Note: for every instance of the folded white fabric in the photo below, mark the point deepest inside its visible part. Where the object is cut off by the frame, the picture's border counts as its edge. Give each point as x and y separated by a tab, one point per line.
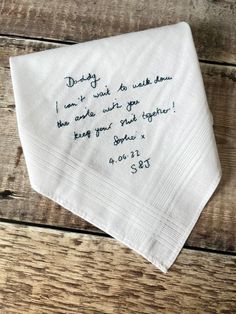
118	131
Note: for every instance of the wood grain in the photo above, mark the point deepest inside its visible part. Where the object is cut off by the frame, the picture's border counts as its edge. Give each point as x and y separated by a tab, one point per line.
47	271
53	271
216	226
212	22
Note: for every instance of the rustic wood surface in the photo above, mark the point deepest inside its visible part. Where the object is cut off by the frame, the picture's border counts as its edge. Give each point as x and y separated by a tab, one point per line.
212	22
52	261
49	271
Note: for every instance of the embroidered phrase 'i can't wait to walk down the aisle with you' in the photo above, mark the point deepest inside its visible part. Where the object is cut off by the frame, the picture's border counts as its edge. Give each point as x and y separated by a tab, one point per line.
114	117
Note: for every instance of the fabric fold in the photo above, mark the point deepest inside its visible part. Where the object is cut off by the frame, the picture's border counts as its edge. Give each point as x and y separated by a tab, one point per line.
118	131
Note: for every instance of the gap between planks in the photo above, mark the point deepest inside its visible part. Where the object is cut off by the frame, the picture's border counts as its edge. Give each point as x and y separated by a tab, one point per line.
69	43
97	234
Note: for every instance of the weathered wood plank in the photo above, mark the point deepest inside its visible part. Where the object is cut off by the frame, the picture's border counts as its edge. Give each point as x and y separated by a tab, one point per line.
212	22
48	271
216	226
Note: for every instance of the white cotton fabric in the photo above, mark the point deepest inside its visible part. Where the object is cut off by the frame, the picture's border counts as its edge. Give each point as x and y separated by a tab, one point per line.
153	210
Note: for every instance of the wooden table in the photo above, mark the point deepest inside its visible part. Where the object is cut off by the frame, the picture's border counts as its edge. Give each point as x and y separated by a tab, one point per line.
51	261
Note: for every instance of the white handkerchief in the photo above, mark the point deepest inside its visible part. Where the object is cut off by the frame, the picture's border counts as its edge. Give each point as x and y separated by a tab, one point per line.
118	131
